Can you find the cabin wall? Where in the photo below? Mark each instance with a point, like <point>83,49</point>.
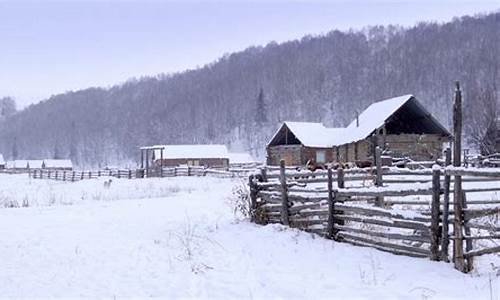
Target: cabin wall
<point>205,162</point>
<point>292,154</point>
<point>358,151</point>
<point>309,153</point>
<point>295,155</point>
<point>418,147</point>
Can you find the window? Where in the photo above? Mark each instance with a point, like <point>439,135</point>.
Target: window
<point>321,156</point>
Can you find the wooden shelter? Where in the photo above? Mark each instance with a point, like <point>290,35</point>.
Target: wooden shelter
<point>212,156</point>
<point>401,126</point>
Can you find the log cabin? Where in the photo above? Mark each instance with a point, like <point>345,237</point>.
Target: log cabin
<point>401,126</point>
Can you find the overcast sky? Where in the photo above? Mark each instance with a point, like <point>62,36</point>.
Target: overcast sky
<point>52,47</point>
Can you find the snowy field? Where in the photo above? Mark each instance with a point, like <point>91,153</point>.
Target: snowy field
<point>179,238</point>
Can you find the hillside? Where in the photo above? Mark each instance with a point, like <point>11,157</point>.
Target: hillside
<point>318,78</point>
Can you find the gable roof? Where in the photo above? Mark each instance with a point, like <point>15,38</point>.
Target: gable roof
<point>189,151</point>
<point>310,134</point>
<point>371,119</point>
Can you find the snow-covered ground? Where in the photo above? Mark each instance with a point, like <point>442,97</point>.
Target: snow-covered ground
<point>178,237</point>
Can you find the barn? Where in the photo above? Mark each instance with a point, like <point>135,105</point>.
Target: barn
<point>213,156</point>
<point>401,126</point>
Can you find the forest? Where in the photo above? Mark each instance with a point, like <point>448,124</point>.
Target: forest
<point>240,99</point>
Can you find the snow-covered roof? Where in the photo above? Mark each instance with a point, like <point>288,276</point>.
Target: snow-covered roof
<point>2,161</point>
<point>371,119</point>
<point>241,158</point>
<point>189,151</point>
<point>311,134</point>
<point>23,164</point>
<point>35,163</point>
<point>57,163</point>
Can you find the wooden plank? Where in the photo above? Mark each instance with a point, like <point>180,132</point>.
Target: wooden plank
<point>354,242</point>
<point>387,235</point>
<point>470,214</point>
<point>385,245</point>
<point>482,251</point>
<point>390,223</point>
<point>374,192</point>
<point>373,211</point>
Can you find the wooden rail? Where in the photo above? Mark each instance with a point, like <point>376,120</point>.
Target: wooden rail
<point>363,214</point>
<point>136,173</point>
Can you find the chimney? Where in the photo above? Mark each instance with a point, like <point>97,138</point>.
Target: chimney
<point>357,119</point>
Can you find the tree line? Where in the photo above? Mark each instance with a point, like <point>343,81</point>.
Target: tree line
<point>241,98</point>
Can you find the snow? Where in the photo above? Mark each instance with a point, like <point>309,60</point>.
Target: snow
<point>189,151</point>
<point>178,238</point>
<point>2,161</point>
<point>57,163</point>
<point>241,158</point>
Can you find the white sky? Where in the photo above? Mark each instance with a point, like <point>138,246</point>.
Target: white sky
<point>52,47</point>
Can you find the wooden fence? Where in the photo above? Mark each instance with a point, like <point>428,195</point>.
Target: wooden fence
<point>137,173</point>
<point>361,207</point>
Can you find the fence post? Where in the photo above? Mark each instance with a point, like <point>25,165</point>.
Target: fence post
<point>99,173</point>
<point>73,177</point>
<point>189,170</point>
<point>468,242</point>
<point>340,178</point>
<point>445,238</point>
<point>284,194</point>
<point>436,190</point>
<point>130,174</point>
<point>81,175</point>
<point>458,250</point>
<point>331,204</point>
<point>263,174</point>
<point>253,199</point>
<point>379,200</point>
<point>64,175</point>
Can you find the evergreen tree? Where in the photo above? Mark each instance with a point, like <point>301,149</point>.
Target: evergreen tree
<point>260,109</point>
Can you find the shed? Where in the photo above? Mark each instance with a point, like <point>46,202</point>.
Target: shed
<point>213,156</point>
<point>400,125</point>
<point>57,164</point>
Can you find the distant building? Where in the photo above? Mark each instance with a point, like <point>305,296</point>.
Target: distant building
<point>214,156</point>
<point>2,162</point>
<point>23,164</point>
<point>57,164</point>
<point>401,126</point>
